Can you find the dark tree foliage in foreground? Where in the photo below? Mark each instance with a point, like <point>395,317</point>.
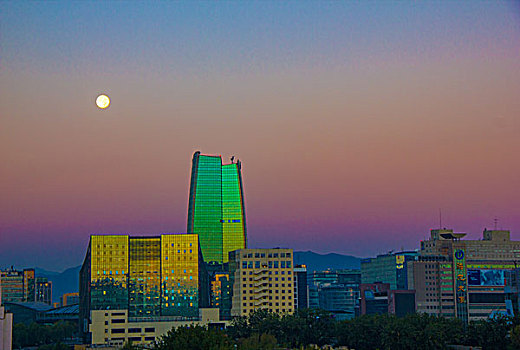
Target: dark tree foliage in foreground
<point>498,333</point>
<point>417,331</point>
<point>266,330</point>
<point>303,327</point>
<point>195,338</point>
<point>37,335</point>
<point>57,346</point>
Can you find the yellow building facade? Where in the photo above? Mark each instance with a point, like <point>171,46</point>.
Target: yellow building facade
<point>150,279</point>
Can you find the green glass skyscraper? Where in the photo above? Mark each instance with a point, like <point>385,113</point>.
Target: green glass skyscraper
<point>216,207</point>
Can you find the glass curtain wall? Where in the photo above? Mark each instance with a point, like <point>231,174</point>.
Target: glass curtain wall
<point>109,271</point>
<point>232,213</point>
<point>144,285</point>
<point>180,277</point>
<point>216,207</point>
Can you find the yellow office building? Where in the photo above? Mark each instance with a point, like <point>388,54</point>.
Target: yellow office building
<point>158,278</point>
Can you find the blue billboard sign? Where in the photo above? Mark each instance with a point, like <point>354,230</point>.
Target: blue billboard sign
<point>486,277</point>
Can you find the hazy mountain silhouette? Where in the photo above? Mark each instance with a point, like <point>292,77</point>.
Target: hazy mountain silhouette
<point>62,282</point>
<point>319,262</point>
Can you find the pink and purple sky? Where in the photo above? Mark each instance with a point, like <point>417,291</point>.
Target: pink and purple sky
<point>355,121</point>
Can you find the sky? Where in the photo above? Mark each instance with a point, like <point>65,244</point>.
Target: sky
<point>355,122</point>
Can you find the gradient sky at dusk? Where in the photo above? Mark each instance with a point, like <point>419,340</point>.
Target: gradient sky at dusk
<point>355,121</point>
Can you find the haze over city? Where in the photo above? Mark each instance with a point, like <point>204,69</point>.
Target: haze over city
<point>355,122</point>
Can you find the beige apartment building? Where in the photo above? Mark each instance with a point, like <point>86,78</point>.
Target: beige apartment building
<point>261,279</point>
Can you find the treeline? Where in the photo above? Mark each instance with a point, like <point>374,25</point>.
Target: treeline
<point>46,337</point>
<point>265,330</point>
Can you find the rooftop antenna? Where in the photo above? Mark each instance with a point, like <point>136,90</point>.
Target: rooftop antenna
<point>232,159</point>
<point>496,223</point>
<point>440,219</point>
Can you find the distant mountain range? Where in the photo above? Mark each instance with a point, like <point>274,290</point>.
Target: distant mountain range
<point>68,280</point>
<point>320,262</point>
<point>62,282</point>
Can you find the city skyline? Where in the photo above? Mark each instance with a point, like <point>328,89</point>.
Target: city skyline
<point>355,122</point>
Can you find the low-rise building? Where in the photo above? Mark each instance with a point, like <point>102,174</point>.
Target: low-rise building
<point>115,327</point>
<point>379,298</point>
<point>64,313</point>
<point>68,299</point>
<point>26,313</point>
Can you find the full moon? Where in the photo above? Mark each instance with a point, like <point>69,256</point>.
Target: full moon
<point>102,101</point>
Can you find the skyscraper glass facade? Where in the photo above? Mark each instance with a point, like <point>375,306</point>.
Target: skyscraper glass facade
<point>109,272</point>
<point>148,276</point>
<point>180,275</point>
<point>144,279</point>
<point>216,207</point>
